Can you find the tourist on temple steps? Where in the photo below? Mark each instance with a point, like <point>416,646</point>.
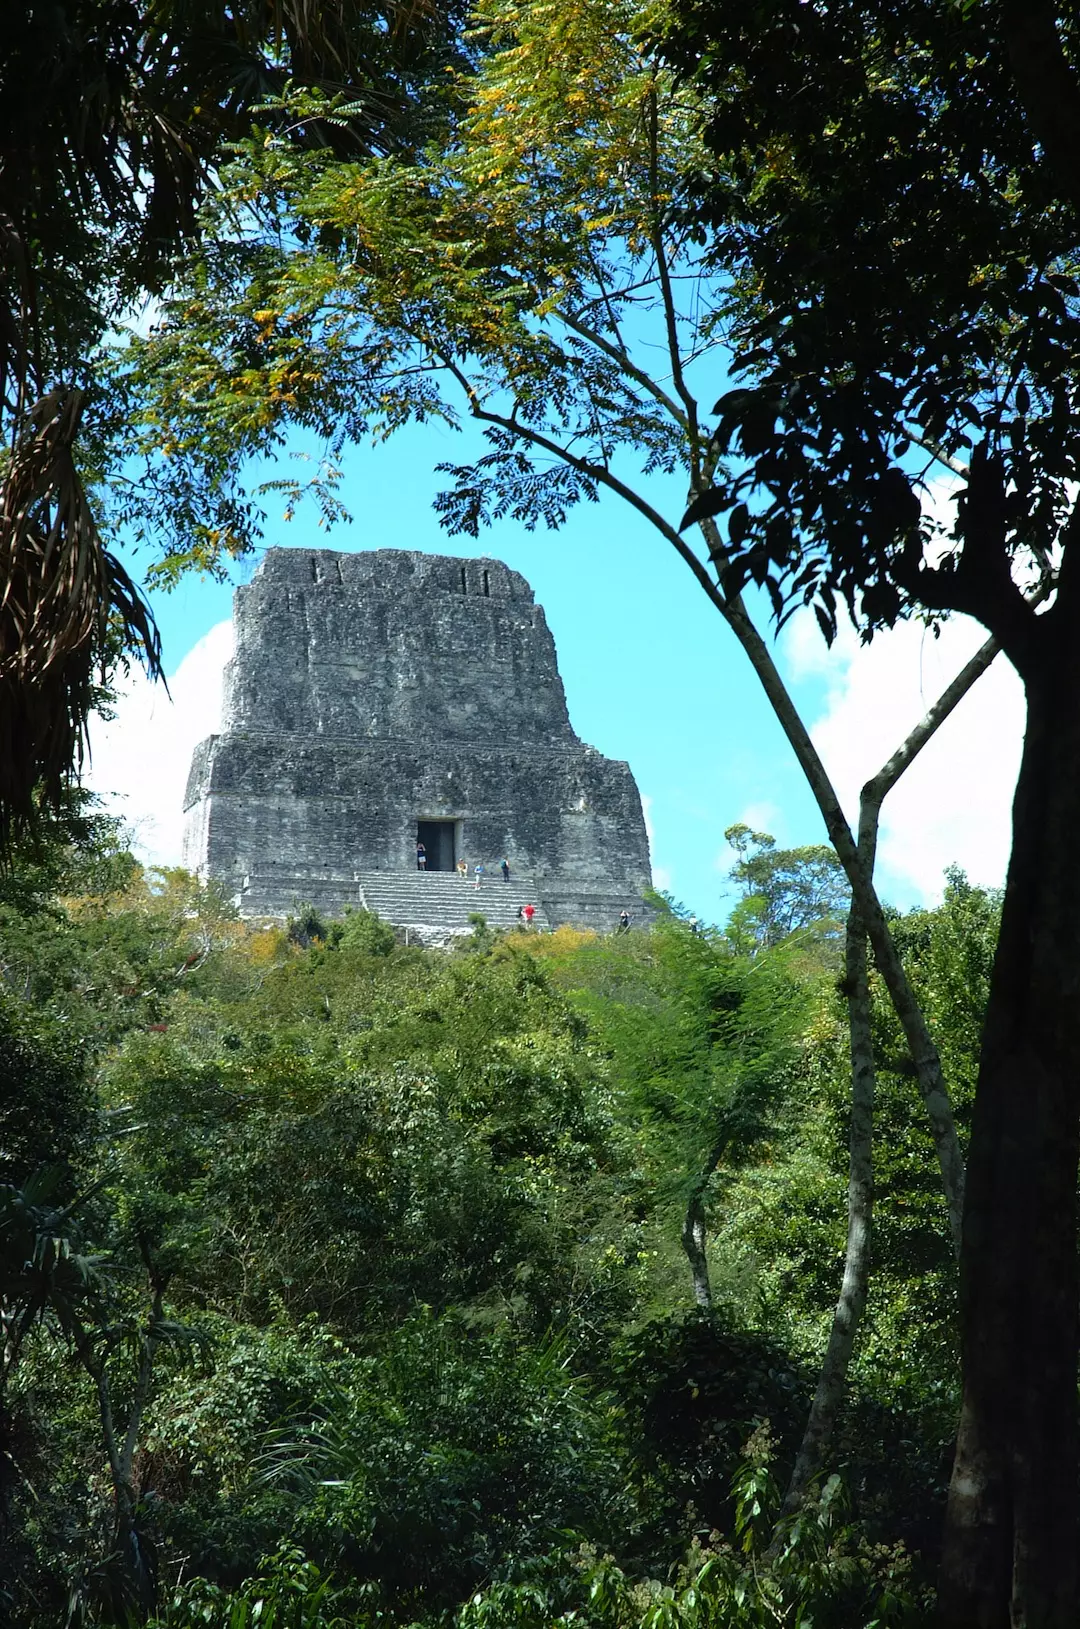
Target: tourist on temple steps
<point>528,912</point>
<point>463,869</point>
<point>421,857</point>
<point>624,922</point>
<point>478,873</point>
<point>505,869</point>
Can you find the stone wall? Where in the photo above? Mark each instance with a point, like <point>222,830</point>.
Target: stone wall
<point>393,644</point>
<point>371,691</point>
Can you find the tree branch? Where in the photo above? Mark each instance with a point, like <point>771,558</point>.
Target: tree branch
<point>629,367</point>
<point>1048,86</point>
<point>695,1228</point>
<point>923,1051</point>
<point>852,1301</point>
<point>878,787</point>
<point>832,1381</point>
<point>919,438</point>
<point>584,466</point>
<point>612,314</point>
<point>978,580</point>
<point>150,1343</point>
<point>670,321</point>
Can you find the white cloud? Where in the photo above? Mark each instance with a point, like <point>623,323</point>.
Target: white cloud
<point>661,875</point>
<point>646,815</point>
<point>764,816</point>
<point>953,804</point>
<point>761,817</point>
<point>140,759</point>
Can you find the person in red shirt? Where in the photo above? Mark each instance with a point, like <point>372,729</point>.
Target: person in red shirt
<point>528,912</point>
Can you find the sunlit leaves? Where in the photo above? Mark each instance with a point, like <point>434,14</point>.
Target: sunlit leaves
<point>509,274</point>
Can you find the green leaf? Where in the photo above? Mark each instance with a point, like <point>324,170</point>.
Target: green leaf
<point>704,506</point>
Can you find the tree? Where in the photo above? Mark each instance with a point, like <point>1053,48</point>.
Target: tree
<point>523,275</point>
<point>425,1206</point>
<point>785,889</point>
<point>112,117</point>
<point>930,143</point>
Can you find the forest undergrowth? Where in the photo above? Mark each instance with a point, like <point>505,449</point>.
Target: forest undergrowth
<point>343,1282</point>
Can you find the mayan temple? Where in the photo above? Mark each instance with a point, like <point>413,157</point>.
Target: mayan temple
<point>380,700</point>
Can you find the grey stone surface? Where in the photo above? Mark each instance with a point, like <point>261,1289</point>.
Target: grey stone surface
<point>372,691</point>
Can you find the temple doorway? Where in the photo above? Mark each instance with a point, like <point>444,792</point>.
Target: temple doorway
<point>437,837</point>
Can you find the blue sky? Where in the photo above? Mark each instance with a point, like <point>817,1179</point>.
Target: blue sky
<point>652,675</point>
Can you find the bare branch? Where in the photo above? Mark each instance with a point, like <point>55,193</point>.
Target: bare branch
<point>670,321</point>
<point>878,787</point>
<point>629,367</point>
<point>919,438</point>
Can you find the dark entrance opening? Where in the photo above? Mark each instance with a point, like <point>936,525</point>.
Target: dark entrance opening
<point>437,837</point>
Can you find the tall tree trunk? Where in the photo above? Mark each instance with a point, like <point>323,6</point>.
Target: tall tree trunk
<point>694,1236</point>
<point>852,1300</point>
<point>1010,1554</point>
<point>924,1053</point>
<point>695,1232</point>
<point>832,1381</point>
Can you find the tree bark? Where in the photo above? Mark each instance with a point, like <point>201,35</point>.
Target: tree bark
<point>1010,1553</point>
<point>693,1243</point>
<point>924,1053</point>
<point>695,1230</point>
<point>852,1301</point>
<point>849,1308</point>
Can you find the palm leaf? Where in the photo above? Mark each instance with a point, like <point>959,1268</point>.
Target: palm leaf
<point>64,602</point>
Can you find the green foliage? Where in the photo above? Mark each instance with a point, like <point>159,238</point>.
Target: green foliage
<point>706,1046</point>
<point>363,1158</point>
<point>72,850</point>
<point>950,956</point>
<point>426,1207</point>
<point>45,1104</point>
<point>857,375</point>
<point>693,1387</point>
<point>306,927</point>
<point>113,117</point>
<point>819,1575</point>
<point>510,276</point>
<point>785,891</point>
<point>377,1259</point>
<point>363,931</point>
<point>418,1472</point>
<point>289,1593</point>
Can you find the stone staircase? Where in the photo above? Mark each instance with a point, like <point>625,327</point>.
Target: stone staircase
<point>442,899</point>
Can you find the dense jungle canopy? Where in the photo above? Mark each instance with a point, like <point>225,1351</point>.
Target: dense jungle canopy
<point>348,1277</point>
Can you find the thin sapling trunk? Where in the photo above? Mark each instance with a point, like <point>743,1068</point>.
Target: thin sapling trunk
<point>832,1382</point>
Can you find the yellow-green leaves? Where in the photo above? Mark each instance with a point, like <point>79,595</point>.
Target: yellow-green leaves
<point>528,271</point>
